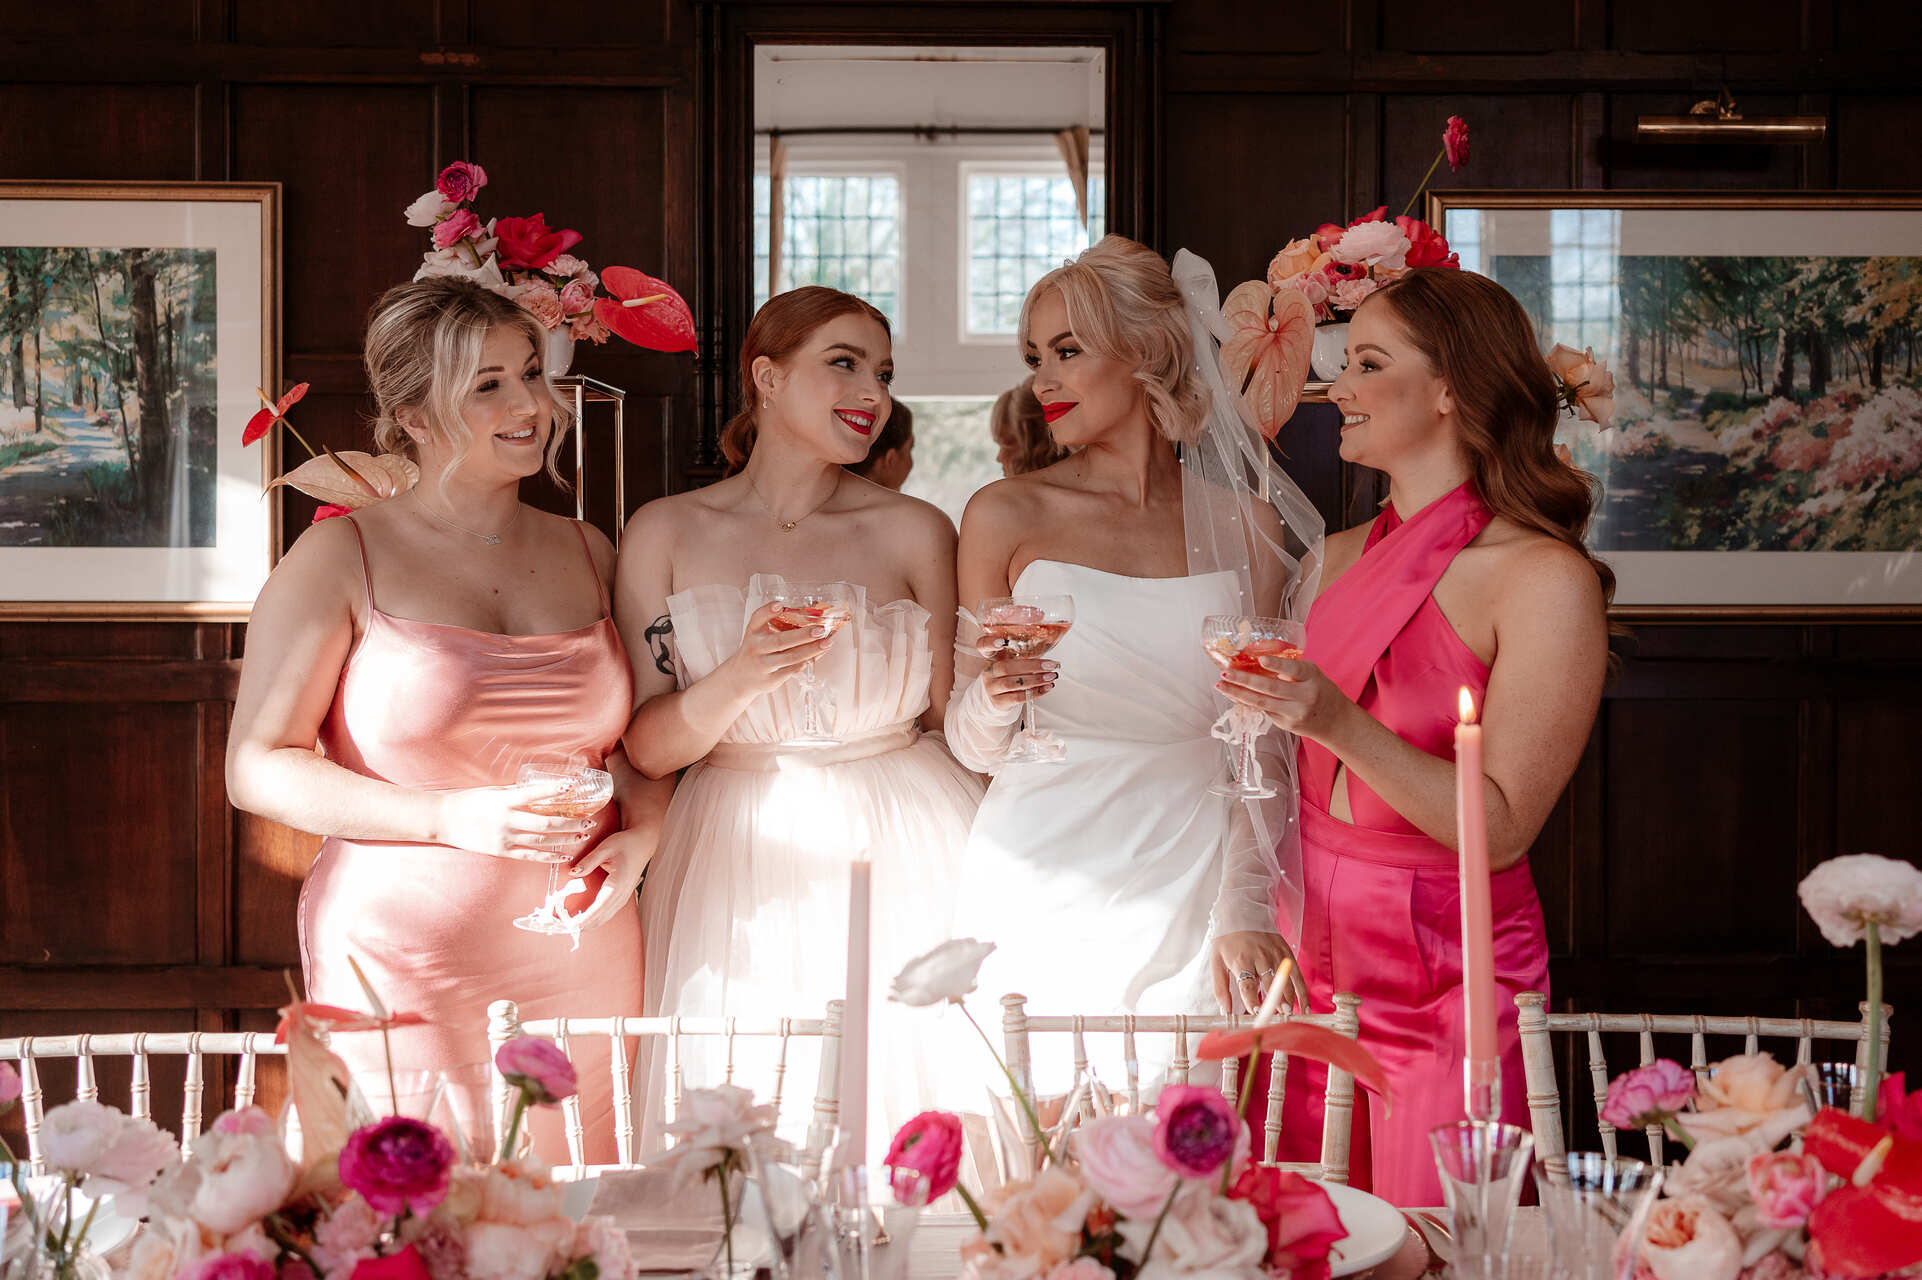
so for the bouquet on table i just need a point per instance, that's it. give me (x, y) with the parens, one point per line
(1134, 1197)
(1770, 1190)
(388, 1200)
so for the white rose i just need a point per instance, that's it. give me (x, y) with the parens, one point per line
(948, 972)
(1203, 1235)
(1845, 895)
(243, 1178)
(711, 1123)
(501, 1251)
(75, 1136)
(1378, 243)
(429, 209)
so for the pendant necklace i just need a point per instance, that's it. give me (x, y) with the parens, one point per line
(787, 526)
(491, 539)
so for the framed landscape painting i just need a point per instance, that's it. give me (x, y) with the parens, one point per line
(1765, 455)
(136, 321)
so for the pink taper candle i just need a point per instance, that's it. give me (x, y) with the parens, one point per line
(854, 1020)
(1481, 1071)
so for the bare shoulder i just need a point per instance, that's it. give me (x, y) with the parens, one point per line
(1538, 572)
(598, 544)
(655, 525)
(926, 523)
(1339, 553)
(322, 569)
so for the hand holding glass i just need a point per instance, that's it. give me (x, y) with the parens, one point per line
(1027, 627)
(827, 605)
(578, 791)
(1238, 642)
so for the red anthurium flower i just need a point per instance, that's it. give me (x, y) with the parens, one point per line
(1871, 1225)
(645, 311)
(334, 1018)
(1455, 142)
(529, 243)
(331, 510)
(1298, 1039)
(263, 421)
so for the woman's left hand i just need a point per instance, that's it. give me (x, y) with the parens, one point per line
(1246, 964)
(1296, 696)
(623, 855)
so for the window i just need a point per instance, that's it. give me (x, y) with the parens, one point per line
(1019, 227)
(842, 230)
(1585, 303)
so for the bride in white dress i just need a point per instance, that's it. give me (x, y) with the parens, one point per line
(1113, 882)
(744, 908)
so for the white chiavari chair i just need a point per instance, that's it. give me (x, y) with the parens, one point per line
(1018, 1026)
(195, 1047)
(1538, 1027)
(669, 1037)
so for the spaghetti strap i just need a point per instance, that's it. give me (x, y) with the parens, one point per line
(607, 609)
(366, 576)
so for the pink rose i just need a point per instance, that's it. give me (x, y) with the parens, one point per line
(398, 1163)
(1300, 1219)
(1195, 1129)
(1312, 284)
(1081, 1269)
(1455, 142)
(404, 1265)
(1204, 1234)
(1660, 1088)
(248, 1120)
(1786, 1186)
(527, 243)
(1117, 1155)
(461, 181)
(345, 1236)
(542, 299)
(929, 1145)
(1349, 294)
(576, 297)
(456, 227)
(9, 1085)
(229, 1266)
(535, 1066)
(1373, 243)
(1688, 1240)
(567, 266)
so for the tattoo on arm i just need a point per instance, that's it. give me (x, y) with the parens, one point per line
(656, 637)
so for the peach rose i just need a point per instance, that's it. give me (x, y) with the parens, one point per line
(1587, 384)
(541, 299)
(1294, 259)
(1688, 1240)
(1039, 1222)
(1747, 1091)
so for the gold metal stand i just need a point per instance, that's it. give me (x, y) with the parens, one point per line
(581, 392)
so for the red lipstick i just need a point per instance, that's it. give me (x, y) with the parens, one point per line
(1059, 407)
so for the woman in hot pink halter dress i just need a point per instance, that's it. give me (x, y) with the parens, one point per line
(402, 665)
(1473, 577)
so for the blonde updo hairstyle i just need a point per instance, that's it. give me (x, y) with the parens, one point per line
(1123, 304)
(423, 351)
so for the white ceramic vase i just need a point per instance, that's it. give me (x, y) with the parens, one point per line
(1331, 342)
(559, 356)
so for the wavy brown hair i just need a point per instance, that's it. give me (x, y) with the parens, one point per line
(781, 327)
(1479, 341)
(1017, 421)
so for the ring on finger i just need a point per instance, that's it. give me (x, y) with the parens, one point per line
(1247, 975)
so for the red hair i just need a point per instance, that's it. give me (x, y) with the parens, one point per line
(781, 327)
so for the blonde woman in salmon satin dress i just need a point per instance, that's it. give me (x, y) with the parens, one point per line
(402, 664)
(745, 908)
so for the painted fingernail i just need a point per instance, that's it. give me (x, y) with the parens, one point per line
(820, 631)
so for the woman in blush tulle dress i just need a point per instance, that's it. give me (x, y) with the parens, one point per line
(745, 907)
(1474, 577)
(402, 664)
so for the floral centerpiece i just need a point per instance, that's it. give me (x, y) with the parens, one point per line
(1769, 1190)
(1134, 1197)
(526, 260)
(713, 1128)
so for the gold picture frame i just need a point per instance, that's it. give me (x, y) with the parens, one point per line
(196, 266)
(1772, 457)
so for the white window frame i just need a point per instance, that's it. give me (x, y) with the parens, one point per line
(825, 162)
(1040, 162)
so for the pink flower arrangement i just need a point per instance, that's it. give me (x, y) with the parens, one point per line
(530, 262)
(927, 1146)
(397, 1164)
(1195, 1130)
(1648, 1095)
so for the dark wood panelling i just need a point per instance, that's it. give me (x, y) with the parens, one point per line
(1876, 24)
(341, 155)
(104, 132)
(1510, 26)
(1875, 142)
(129, 19)
(510, 22)
(1528, 138)
(365, 23)
(1222, 26)
(1706, 26)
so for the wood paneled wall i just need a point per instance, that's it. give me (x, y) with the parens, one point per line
(1727, 760)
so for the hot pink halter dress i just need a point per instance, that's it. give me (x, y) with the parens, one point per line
(437, 707)
(1383, 910)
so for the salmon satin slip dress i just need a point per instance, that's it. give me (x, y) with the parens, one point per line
(1383, 912)
(437, 707)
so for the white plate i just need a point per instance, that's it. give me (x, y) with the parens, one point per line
(109, 1231)
(1376, 1229)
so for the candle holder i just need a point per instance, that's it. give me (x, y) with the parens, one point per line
(1482, 1088)
(1483, 1167)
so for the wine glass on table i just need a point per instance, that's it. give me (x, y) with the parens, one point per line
(575, 791)
(1027, 627)
(813, 604)
(1238, 642)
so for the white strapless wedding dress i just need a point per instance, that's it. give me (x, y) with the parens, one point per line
(744, 910)
(1096, 878)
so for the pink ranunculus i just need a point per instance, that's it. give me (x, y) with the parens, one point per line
(229, 1266)
(1426, 246)
(1373, 243)
(1844, 895)
(1117, 1155)
(428, 209)
(929, 1145)
(9, 1085)
(1634, 1096)
(1455, 142)
(250, 1120)
(528, 243)
(576, 297)
(567, 266)
(535, 1066)
(406, 1264)
(461, 181)
(1349, 294)
(1195, 1129)
(398, 1163)
(542, 299)
(460, 225)
(1786, 1186)
(1300, 1219)
(1687, 1239)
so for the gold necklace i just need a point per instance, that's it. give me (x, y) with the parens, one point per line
(787, 526)
(491, 539)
